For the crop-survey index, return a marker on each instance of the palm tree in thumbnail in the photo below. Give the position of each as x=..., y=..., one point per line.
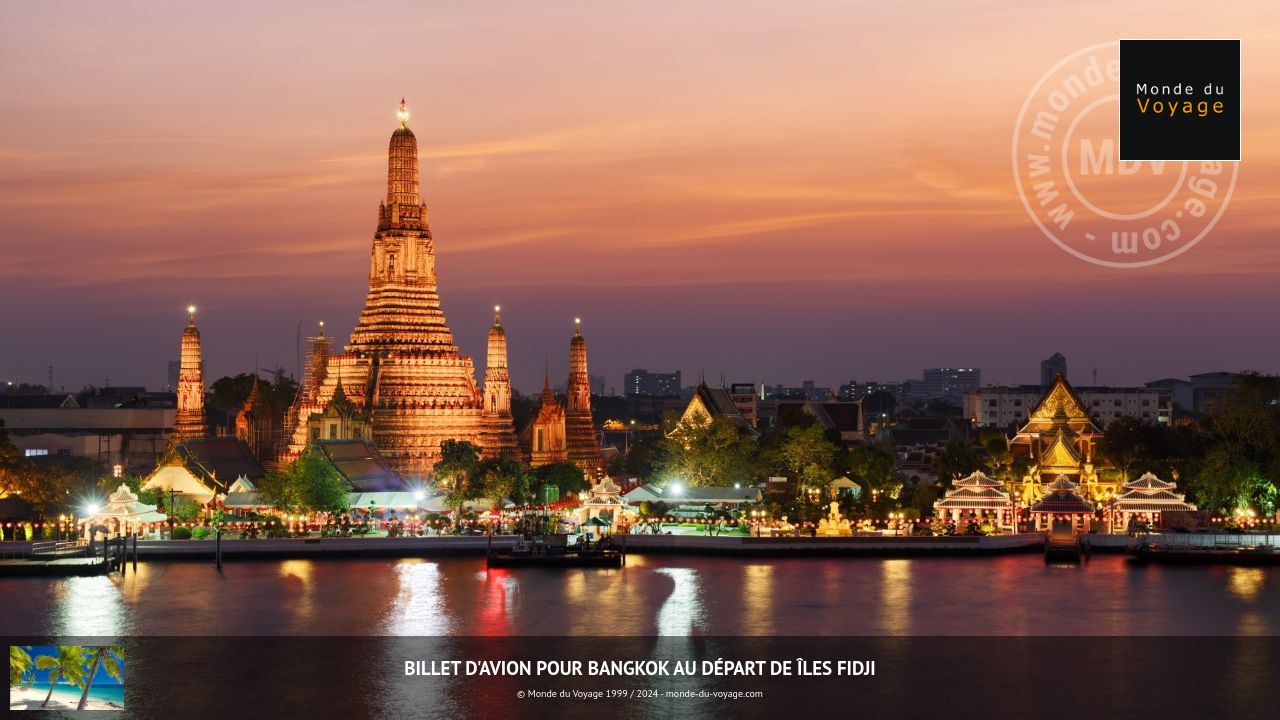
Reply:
x=19, y=663
x=68, y=664
x=110, y=657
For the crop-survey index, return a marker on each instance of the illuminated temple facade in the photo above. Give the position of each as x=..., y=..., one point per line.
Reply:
x=401, y=373
x=190, y=422
x=1059, y=439
x=560, y=433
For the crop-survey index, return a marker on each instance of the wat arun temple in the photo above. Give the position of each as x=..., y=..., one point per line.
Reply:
x=401, y=382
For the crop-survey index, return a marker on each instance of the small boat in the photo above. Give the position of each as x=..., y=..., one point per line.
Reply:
x=557, y=551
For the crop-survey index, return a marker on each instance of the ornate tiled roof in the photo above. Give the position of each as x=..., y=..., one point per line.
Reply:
x=1149, y=482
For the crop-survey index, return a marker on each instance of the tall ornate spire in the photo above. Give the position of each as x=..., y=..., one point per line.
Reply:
x=402, y=166
x=499, y=436
x=190, y=421
x=584, y=450
x=401, y=370
x=402, y=310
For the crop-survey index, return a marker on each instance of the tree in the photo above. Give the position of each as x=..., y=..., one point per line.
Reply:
x=872, y=467
x=111, y=658
x=320, y=487
x=308, y=484
x=457, y=473
x=706, y=452
x=1241, y=456
x=233, y=390
x=567, y=477
x=504, y=477
x=67, y=664
x=1123, y=443
x=957, y=459
x=20, y=663
x=809, y=455
x=999, y=456
x=52, y=489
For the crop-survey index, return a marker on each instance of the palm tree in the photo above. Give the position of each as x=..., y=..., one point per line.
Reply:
x=110, y=657
x=19, y=663
x=69, y=664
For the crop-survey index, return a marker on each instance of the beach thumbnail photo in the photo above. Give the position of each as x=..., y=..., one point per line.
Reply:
x=66, y=677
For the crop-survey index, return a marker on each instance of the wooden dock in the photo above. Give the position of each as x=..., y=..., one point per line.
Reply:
x=69, y=559
x=60, y=567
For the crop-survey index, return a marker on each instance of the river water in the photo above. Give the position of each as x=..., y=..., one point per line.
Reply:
x=670, y=596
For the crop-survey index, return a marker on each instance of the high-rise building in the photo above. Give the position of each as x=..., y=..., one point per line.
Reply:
x=190, y=422
x=949, y=383
x=1002, y=406
x=808, y=390
x=599, y=385
x=1051, y=367
x=655, y=384
x=175, y=366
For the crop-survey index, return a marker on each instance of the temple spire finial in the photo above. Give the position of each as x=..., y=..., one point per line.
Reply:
x=403, y=114
x=191, y=314
x=497, y=319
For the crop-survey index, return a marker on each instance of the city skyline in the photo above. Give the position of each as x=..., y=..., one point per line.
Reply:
x=773, y=229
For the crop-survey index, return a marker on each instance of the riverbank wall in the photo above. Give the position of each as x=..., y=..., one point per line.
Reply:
x=727, y=546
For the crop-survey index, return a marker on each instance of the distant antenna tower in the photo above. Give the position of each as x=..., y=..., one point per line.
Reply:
x=1095, y=377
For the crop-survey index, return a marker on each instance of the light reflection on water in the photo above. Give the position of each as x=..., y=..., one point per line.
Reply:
x=895, y=597
x=1246, y=582
x=681, y=596
x=418, y=609
x=681, y=612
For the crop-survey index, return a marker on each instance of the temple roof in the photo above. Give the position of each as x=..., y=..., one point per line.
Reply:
x=1061, y=398
x=1149, y=482
x=216, y=461
x=1061, y=452
x=360, y=465
x=1063, y=503
x=716, y=402
x=549, y=408
x=1062, y=483
x=1061, y=497
x=255, y=396
x=978, y=479
x=977, y=491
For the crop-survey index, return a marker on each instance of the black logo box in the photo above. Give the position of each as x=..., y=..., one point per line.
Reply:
x=1180, y=64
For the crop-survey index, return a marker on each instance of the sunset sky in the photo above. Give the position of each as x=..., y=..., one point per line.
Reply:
x=774, y=191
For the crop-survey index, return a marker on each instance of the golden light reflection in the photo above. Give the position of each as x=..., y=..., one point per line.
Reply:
x=1245, y=582
x=757, y=600
x=300, y=569
x=304, y=607
x=895, y=597
x=575, y=590
x=137, y=580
